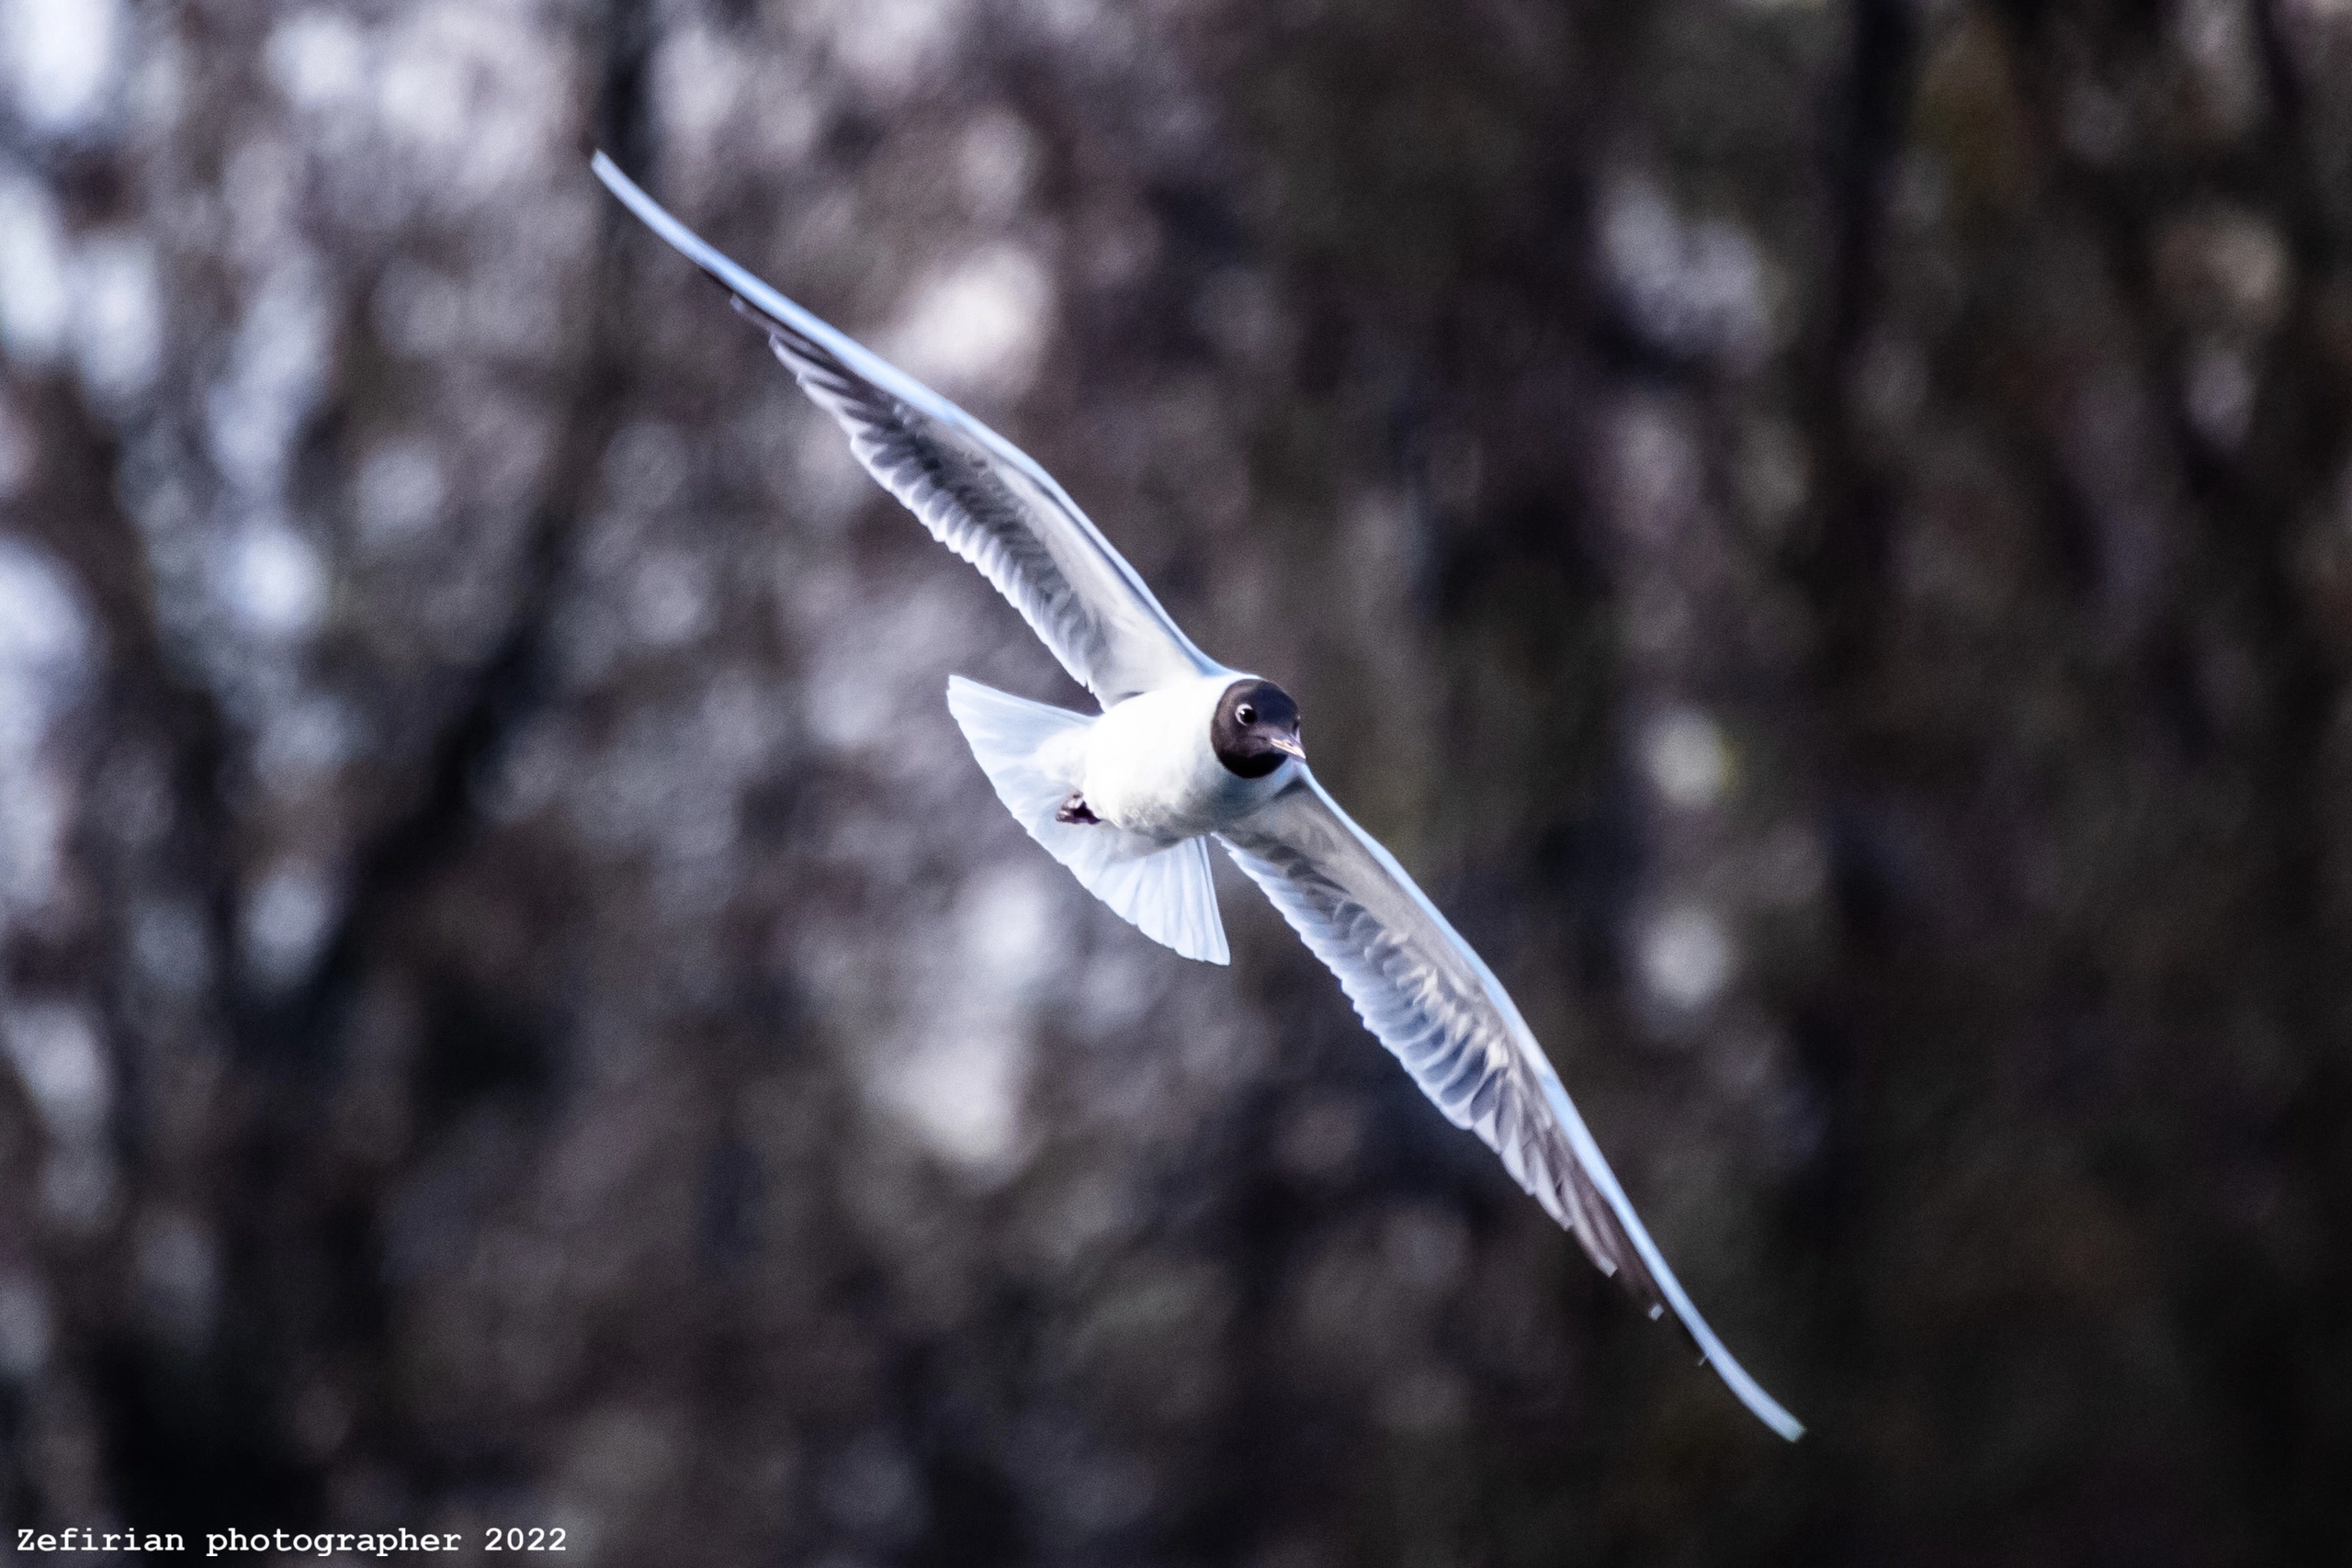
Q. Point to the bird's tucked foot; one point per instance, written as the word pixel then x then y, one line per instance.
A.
pixel 1074 810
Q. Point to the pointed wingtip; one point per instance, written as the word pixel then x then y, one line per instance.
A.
pixel 1787 1425
pixel 1711 1349
pixel 1762 1406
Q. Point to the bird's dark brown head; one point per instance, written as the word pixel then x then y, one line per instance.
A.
pixel 1256 729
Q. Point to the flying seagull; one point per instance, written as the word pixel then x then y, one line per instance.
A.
pixel 1185 750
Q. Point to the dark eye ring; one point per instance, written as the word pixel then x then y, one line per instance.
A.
pixel 1246 713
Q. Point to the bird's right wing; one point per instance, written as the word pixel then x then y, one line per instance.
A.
pixel 1433 1001
pixel 978 494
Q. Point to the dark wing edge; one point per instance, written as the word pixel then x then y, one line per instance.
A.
pixel 1427 996
pixel 976 492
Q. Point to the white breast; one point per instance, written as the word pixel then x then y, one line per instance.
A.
pixel 1150 770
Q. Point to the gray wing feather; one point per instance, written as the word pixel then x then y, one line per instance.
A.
pixel 1433 1001
pixel 978 493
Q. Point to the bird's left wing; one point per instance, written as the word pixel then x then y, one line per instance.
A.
pixel 978 494
pixel 1431 1001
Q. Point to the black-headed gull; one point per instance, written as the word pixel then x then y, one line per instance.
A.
pixel 1185 750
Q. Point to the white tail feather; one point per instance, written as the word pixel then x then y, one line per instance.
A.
pixel 1164 891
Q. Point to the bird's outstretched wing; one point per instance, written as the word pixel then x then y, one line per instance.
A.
pixel 1430 999
pixel 978 494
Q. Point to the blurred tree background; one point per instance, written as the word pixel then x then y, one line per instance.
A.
pixel 1821 532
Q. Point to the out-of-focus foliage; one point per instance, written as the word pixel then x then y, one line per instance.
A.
pixel 1823 534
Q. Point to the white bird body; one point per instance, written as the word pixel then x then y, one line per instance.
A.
pixel 1146 766
pixel 1187 750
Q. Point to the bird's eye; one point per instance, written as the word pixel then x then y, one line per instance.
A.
pixel 1246 713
